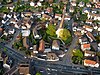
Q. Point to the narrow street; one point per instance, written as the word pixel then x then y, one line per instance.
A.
pixel 67 58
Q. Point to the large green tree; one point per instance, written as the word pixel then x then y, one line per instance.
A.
pixel 83 17
pixel 78 53
pixel 64 34
pixel 77 56
pixel 51 30
pixel 4 9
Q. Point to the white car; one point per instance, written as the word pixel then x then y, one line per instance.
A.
pixel 53 69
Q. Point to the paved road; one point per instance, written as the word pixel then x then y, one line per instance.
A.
pixel 11 71
pixel 14 54
pixel 67 58
pixel 59 67
pixel 65 68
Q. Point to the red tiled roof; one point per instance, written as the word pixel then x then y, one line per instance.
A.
pixel 1 29
pixel 41 46
pixel 90 62
pixel 86 45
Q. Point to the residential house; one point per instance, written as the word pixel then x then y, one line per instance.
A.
pixel 32 4
pixel 83 31
pixel 67 17
pixel 98 28
pixel 74 26
pixel 74 29
pixel 1 31
pixel 85 47
pixel 88 5
pixel 97 5
pixel 39 3
pixel 55 45
pixel 52 57
pixel 93 16
pixel 18 24
pixel 58 16
pixel 27 14
pixel 91 63
pixel 89 53
pixel 98 46
pixel 39 14
pixel 25 33
pixel 12 20
pixel 89 21
pixel 86 10
pixel 73 3
pixel 27 25
pixel 10 6
pixel 83 40
pixel 35 49
pixel 22 15
pixel 90 36
pixel 9 16
pixel 78 33
pixel 47 17
pixel 35 34
pixel 41 46
pixel 88 28
pixel 71 9
pixel 95 26
pixel 94 11
pixel 95 1
pixel 3 22
pixel 49 9
pixel 81 4
pixel 79 28
pixel 11 31
pixel 23 69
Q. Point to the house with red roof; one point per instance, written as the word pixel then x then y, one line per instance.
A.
pixel 85 47
pixel 91 63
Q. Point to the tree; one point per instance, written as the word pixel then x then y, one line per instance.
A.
pixel 77 56
pixel 28 52
pixel 98 38
pixel 1 71
pixel 5 49
pixel 64 34
pixel 83 17
pixel 38 73
pixel 4 9
pixel 78 53
pixel 51 30
pixel 98 54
